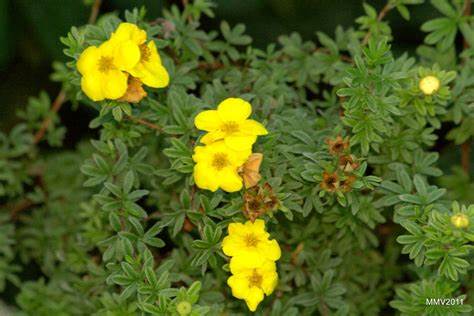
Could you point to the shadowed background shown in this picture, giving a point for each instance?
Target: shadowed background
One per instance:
(30, 31)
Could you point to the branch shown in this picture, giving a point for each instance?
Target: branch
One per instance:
(95, 11)
(58, 102)
(380, 17)
(145, 123)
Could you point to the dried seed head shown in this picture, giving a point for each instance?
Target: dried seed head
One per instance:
(337, 145)
(135, 92)
(330, 182)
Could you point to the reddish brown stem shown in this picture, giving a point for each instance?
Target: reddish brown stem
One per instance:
(95, 11)
(58, 102)
(465, 156)
(145, 123)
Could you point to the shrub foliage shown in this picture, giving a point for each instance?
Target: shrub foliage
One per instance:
(117, 226)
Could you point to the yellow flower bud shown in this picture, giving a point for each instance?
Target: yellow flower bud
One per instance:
(460, 220)
(429, 85)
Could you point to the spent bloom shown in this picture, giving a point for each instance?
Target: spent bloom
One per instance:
(338, 145)
(230, 123)
(429, 85)
(217, 167)
(252, 262)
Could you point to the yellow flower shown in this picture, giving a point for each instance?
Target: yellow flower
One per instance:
(429, 85)
(230, 122)
(102, 69)
(250, 241)
(148, 68)
(460, 220)
(216, 167)
(250, 283)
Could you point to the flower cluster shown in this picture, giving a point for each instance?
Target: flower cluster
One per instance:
(227, 145)
(252, 264)
(115, 67)
(342, 179)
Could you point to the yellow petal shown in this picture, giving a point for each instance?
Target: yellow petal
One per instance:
(152, 75)
(154, 55)
(232, 246)
(272, 250)
(253, 298)
(114, 84)
(239, 286)
(268, 266)
(88, 60)
(207, 120)
(229, 179)
(200, 154)
(235, 228)
(240, 142)
(252, 127)
(151, 72)
(204, 178)
(127, 55)
(257, 226)
(234, 109)
(91, 84)
(129, 31)
(108, 48)
(238, 158)
(269, 282)
(249, 261)
(211, 137)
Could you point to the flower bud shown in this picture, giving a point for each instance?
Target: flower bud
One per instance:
(429, 85)
(183, 308)
(460, 220)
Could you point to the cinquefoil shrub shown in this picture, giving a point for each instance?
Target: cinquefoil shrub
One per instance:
(221, 179)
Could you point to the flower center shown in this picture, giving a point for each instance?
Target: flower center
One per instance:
(230, 127)
(220, 161)
(106, 63)
(251, 240)
(255, 279)
(144, 52)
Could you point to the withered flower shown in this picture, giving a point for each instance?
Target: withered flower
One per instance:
(135, 92)
(348, 163)
(337, 145)
(250, 171)
(330, 182)
(346, 184)
(259, 200)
